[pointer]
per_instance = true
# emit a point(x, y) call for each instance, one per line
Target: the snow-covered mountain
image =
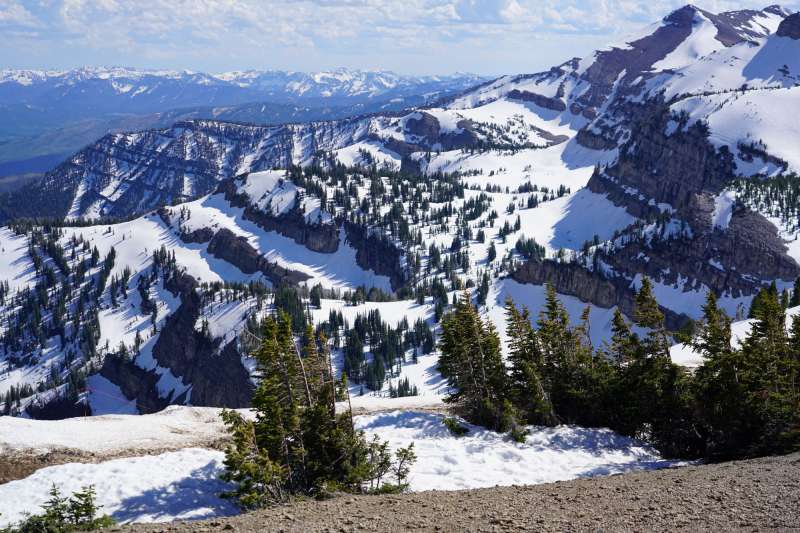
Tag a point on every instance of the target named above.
point(48, 114)
point(121, 90)
point(345, 83)
point(660, 157)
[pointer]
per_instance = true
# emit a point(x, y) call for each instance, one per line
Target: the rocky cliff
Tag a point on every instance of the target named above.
point(214, 372)
point(317, 237)
point(588, 286)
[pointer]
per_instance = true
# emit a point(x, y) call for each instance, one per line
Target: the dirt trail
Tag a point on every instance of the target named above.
point(754, 495)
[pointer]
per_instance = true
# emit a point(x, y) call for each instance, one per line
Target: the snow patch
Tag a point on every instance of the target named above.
point(184, 484)
point(723, 209)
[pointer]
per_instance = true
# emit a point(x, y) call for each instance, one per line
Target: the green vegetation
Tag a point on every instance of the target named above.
point(454, 427)
point(61, 514)
point(298, 444)
point(741, 402)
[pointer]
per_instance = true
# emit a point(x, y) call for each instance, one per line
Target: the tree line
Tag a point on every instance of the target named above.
point(742, 401)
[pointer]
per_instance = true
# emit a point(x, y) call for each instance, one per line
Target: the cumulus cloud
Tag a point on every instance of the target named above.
point(409, 35)
point(13, 13)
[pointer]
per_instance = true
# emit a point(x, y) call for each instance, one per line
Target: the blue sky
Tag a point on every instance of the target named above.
point(407, 36)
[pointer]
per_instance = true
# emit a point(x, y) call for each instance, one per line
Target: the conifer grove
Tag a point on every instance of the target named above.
point(742, 401)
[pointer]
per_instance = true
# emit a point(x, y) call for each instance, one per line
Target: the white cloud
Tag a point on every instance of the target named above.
point(12, 13)
point(410, 35)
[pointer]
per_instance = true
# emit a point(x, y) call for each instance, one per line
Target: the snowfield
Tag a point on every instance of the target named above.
point(15, 265)
point(484, 458)
point(184, 484)
point(152, 488)
point(174, 427)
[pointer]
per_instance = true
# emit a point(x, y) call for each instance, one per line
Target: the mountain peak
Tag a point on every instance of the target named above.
point(683, 16)
point(777, 9)
point(732, 27)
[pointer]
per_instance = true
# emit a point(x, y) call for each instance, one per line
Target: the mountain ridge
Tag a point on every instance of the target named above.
point(646, 159)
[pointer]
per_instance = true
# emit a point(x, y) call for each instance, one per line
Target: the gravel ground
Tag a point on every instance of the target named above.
point(753, 495)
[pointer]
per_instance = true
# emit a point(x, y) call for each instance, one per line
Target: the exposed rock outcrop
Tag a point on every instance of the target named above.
point(58, 408)
point(376, 254)
point(217, 376)
point(135, 383)
point(214, 373)
point(317, 237)
point(667, 169)
point(554, 104)
point(198, 236)
point(790, 27)
point(588, 286)
point(426, 133)
point(237, 251)
point(682, 173)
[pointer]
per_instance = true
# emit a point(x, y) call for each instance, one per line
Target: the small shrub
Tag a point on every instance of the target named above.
point(455, 427)
point(518, 433)
point(62, 515)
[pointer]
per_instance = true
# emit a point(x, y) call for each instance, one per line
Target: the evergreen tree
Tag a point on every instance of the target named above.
point(525, 382)
point(555, 339)
point(79, 512)
point(654, 393)
point(720, 394)
point(794, 301)
point(648, 315)
point(714, 335)
point(624, 345)
point(297, 443)
point(767, 376)
point(492, 253)
point(577, 382)
point(471, 362)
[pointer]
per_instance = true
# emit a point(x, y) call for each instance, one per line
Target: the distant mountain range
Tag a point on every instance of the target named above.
point(126, 90)
point(47, 115)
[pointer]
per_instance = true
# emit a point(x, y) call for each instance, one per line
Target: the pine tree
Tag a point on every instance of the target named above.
point(57, 507)
point(761, 297)
point(577, 382)
point(297, 443)
point(555, 339)
point(82, 507)
point(471, 362)
point(313, 367)
point(648, 315)
point(624, 345)
point(767, 377)
point(714, 336)
point(794, 301)
point(654, 394)
point(768, 336)
point(720, 396)
point(525, 382)
point(76, 513)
